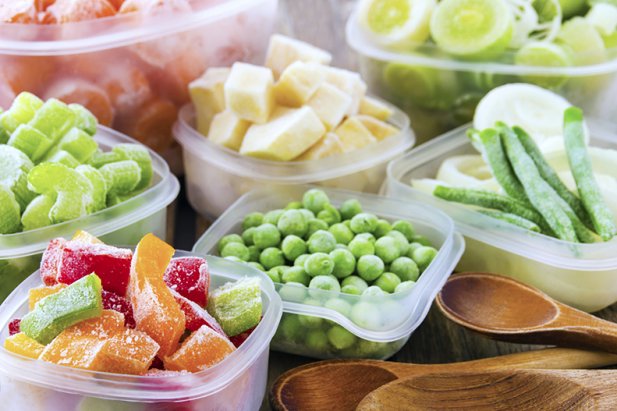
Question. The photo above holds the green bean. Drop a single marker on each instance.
(539, 192)
(512, 219)
(551, 177)
(580, 165)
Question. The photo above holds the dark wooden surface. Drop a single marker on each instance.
(322, 22)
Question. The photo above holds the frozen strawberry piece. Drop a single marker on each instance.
(14, 326)
(237, 340)
(195, 315)
(111, 264)
(113, 301)
(67, 11)
(50, 263)
(189, 276)
(89, 95)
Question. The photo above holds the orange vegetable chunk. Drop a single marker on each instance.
(21, 344)
(37, 294)
(155, 309)
(67, 11)
(129, 352)
(202, 349)
(151, 123)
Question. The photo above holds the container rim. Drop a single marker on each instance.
(361, 44)
(20, 39)
(294, 172)
(545, 253)
(183, 387)
(425, 290)
(160, 194)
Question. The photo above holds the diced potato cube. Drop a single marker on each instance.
(353, 134)
(208, 96)
(289, 133)
(330, 104)
(297, 84)
(282, 51)
(348, 82)
(379, 129)
(375, 108)
(327, 146)
(249, 92)
(228, 130)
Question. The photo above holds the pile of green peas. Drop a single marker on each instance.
(319, 246)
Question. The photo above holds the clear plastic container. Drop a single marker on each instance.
(381, 325)
(581, 275)
(125, 223)
(442, 92)
(132, 70)
(217, 176)
(237, 383)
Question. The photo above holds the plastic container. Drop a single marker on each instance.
(125, 223)
(133, 69)
(440, 92)
(217, 176)
(237, 383)
(581, 275)
(381, 325)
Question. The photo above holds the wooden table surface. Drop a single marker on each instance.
(322, 22)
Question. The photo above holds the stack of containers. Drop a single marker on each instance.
(396, 315)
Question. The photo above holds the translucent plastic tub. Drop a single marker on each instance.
(133, 69)
(237, 383)
(124, 223)
(217, 176)
(387, 321)
(581, 275)
(440, 93)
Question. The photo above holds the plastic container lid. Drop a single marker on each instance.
(429, 55)
(424, 161)
(294, 172)
(162, 192)
(140, 388)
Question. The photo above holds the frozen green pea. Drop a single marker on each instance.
(404, 227)
(247, 236)
(340, 338)
(274, 275)
(325, 283)
(418, 238)
(252, 220)
(412, 247)
(319, 264)
(356, 282)
(338, 305)
(266, 235)
(373, 291)
(347, 223)
(405, 268)
(350, 208)
(366, 314)
(351, 289)
(369, 267)
(317, 340)
(236, 250)
(308, 214)
(386, 248)
(360, 247)
(254, 253)
(292, 222)
(344, 263)
(294, 292)
(271, 257)
(294, 205)
(423, 256)
(310, 321)
(383, 228)
(321, 242)
(300, 260)
(256, 265)
(404, 286)
(329, 214)
(401, 241)
(290, 328)
(366, 236)
(388, 282)
(293, 247)
(230, 238)
(341, 247)
(315, 200)
(368, 349)
(272, 217)
(295, 275)
(315, 225)
(341, 233)
(364, 223)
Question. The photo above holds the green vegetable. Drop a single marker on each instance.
(512, 219)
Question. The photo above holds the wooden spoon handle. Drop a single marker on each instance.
(550, 358)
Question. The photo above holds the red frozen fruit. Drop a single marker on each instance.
(50, 263)
(111, 264)
(237, 340)
(14, 326)
(89, 95)
(67, 11)
(189, 276)
(195, 315)
(112, 301)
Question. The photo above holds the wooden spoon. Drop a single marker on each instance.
(507, 310)
(341, 384)
(499, 390)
